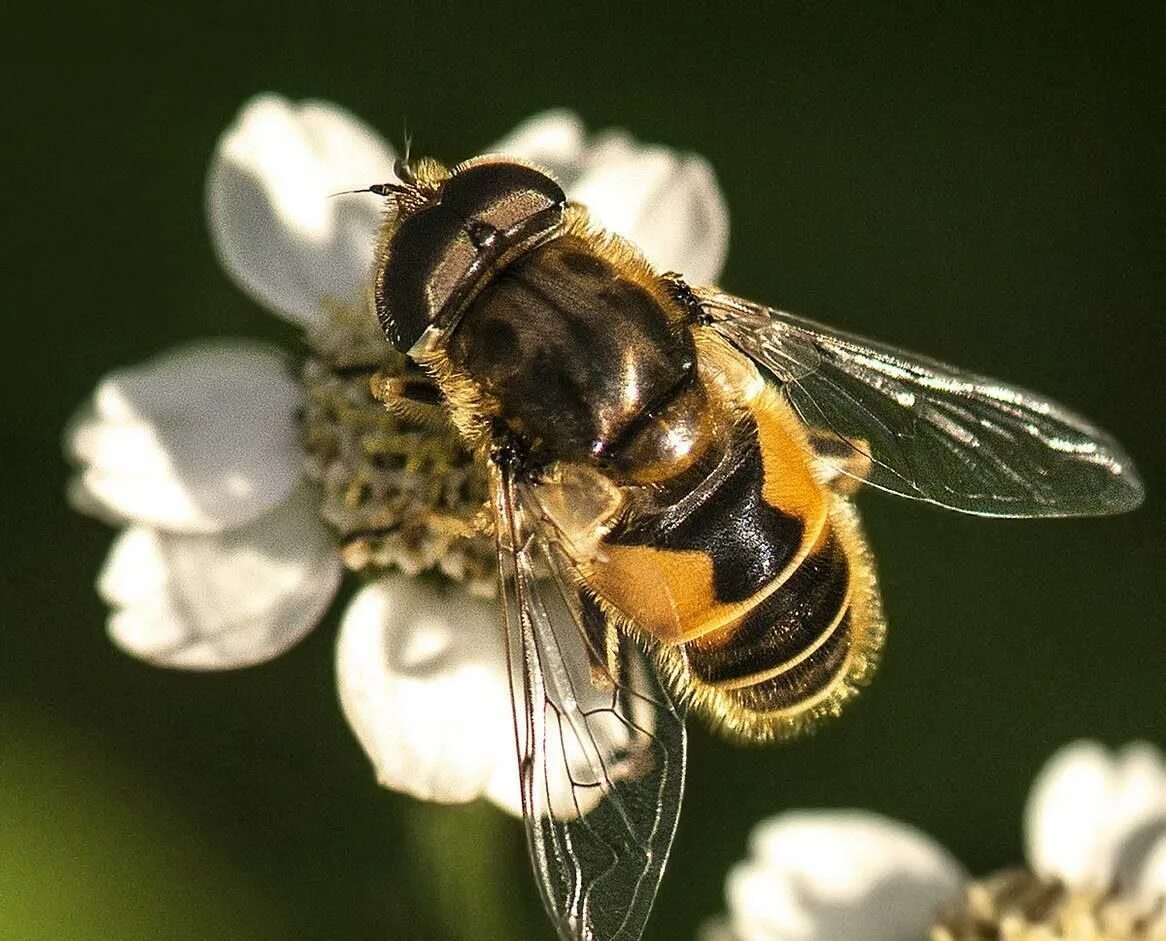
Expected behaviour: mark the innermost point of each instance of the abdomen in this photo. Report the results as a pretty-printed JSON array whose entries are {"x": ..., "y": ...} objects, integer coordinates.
[{"x": 757, "y": 583}]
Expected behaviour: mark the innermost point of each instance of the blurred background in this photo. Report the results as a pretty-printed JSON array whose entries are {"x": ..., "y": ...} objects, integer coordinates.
[{"x": 983, "y": 186}]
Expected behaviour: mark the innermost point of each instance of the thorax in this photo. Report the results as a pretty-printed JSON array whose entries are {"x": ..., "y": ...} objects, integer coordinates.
[{"x": 573, "y": 348}]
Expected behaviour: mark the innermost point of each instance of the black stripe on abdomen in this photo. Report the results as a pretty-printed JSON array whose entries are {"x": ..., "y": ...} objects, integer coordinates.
[
  {"x": 807, "y": 680},
  {"x": 748, "y": 541},
  {"x": 781, "y": 627}
]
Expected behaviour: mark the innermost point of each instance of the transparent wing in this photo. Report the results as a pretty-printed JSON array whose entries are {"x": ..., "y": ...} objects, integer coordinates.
[
  {"x": 929, "y": 431},
  {"x": 601, "y": 756}
]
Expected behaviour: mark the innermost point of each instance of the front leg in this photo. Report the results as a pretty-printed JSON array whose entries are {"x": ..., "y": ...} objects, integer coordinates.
[{"x": 413, "y": 396}]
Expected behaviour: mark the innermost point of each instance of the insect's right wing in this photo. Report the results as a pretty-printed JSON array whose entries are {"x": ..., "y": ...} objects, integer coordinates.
[
  {"x": 601, "y": 742},
  {"x": 922, "y": 429}
]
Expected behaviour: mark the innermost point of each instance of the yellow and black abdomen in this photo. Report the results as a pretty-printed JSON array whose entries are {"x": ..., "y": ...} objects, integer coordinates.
[
  {"x": 757, "y": 583},
  {"x": 799, "y": 650}
]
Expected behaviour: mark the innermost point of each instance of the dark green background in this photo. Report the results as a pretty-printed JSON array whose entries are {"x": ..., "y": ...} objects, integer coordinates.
[{"x": 984, "y": 187}]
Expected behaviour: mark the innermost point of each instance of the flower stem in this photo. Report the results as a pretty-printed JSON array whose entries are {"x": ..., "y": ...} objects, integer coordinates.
[{"x": 467, "y": 863}]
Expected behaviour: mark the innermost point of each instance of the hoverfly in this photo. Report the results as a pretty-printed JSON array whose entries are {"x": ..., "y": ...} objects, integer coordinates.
[{"x": 669, "y": 472}]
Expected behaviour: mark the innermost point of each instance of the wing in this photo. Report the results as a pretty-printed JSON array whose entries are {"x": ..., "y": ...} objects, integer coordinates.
[
  {"x": 929, "y": 431},
  {"x": 601, "y": 743}
]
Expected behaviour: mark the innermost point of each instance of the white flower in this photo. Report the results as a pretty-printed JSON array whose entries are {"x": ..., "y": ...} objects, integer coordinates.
[
  {"x": 1095, "y": 830},
  {"x": 224, "y": 558},
  {"x": 1094, "y": 820}
]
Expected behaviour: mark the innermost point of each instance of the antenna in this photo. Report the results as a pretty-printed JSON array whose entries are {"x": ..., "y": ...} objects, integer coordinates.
[{"x": 377, "y": 189}]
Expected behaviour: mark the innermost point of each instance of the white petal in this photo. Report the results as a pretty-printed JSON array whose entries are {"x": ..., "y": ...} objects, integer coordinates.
[
  {"x": 201, "y": 439},
  {"x": 423, "y": 683},
  {"x": 1063, "y": 819},
  {"x": 226, "y": 600},
  {"x": 840, "y": 875},
  {"x": 1086, "y": 804},
  {"x": 1149, "y": 886},
  {"x": 274, "y": 222},
  {"x": 554, "y": 140},
  {"x": 667, "y": 203}
]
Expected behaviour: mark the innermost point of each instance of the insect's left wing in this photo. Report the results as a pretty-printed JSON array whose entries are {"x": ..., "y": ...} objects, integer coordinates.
[
  {"x": 925, "y": 430},
  {"x": 601, "y": 742}
]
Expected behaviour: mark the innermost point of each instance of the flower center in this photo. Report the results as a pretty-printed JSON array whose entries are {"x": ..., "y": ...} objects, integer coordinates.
[
  {"x": 399, "y": 488},
  {"x": 1017, "y": 905}
]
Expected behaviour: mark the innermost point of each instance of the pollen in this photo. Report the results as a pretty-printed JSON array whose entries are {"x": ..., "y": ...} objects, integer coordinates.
[
  {"x": 399, "y": 488},
  {"x": 1017, "y": 905}
]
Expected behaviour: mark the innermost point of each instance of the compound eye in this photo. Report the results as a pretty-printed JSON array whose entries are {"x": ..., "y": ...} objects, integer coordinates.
[
  {"x": 430, "y": 255},
  {"x": 499, "y": 195}
]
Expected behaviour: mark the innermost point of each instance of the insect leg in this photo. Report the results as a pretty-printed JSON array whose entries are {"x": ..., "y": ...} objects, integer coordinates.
[{"x": 412, "y": 396}]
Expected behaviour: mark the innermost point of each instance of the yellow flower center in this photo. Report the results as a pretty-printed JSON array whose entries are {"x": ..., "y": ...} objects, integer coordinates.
[
  {"x": 399, "y": 488},
  {"x": 1016, "y": 905}
]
